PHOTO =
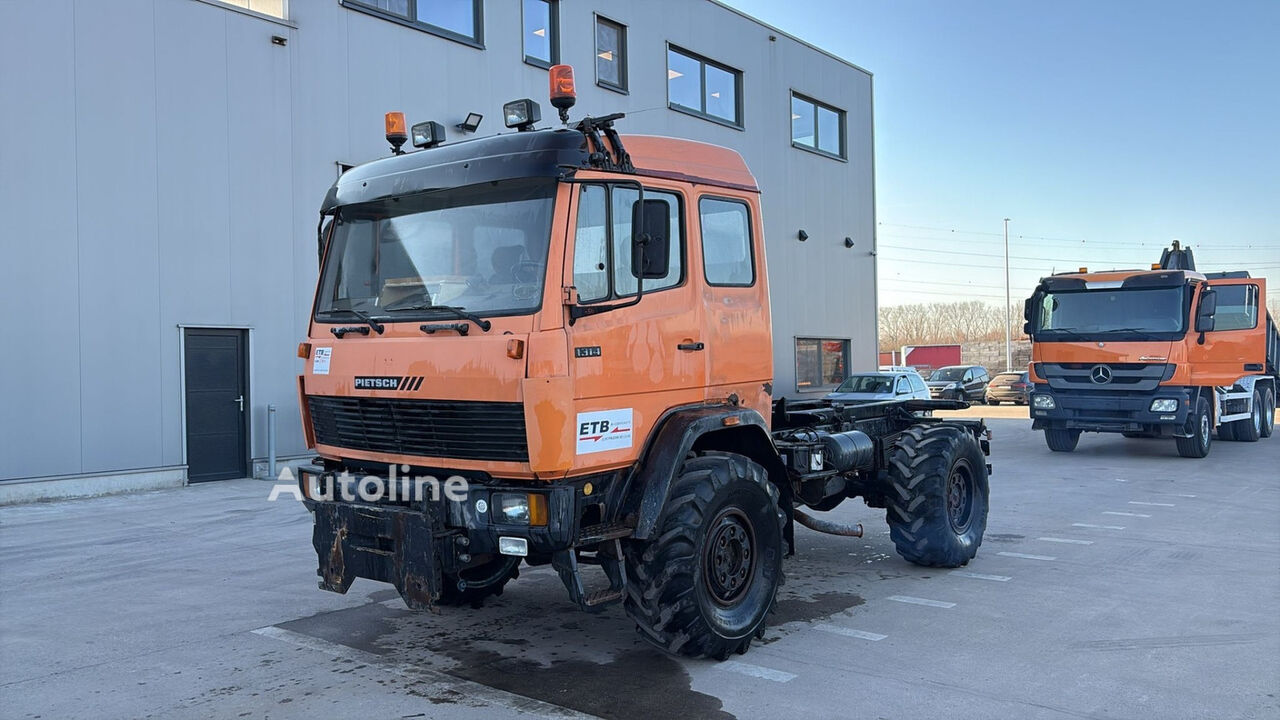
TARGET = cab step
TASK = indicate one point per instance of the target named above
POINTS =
(568, 564)
(592, 534)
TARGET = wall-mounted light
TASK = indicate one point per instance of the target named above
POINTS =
(471, 123)
(802, 235)
(848, 242)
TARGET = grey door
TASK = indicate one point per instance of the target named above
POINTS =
(217, 401)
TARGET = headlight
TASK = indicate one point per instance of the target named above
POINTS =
(1164, 405)
(952, 386)
(1044, 402)
(521, 508)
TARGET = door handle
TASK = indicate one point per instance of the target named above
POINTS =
(240, 401)
(691, 346)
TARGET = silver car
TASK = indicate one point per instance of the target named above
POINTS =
(880, 386)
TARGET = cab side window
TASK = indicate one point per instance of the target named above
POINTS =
(602, 244)
(903, 387)
(917, 383)
(1237, 307)
(726, 242)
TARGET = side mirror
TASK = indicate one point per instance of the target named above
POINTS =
(1204, 313)
(1028, 307)
(650, 241)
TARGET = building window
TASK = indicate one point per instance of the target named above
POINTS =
(602, 244)
(611, 54)
(726, 242)
(541, 32)
(461, 20)
(821, 363)
(817, 127)
(704, 88)
(274, 8)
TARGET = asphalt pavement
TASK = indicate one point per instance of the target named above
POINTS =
(1120, 581)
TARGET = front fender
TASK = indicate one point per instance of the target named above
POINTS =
(671, 443)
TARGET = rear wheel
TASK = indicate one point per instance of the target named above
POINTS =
(1197, 446)
(1268, 412)
(992, 402)
(704, 584)
(1250, 429)
(937, 509)
(1060, 440)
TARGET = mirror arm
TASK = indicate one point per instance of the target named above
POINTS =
(578, 311)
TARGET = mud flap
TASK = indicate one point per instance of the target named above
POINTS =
(385, 544)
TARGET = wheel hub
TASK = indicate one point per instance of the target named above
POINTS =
(960, 498)
(729, 558)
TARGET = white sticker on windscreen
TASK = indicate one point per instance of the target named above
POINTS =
(604, 430)
(320, 362)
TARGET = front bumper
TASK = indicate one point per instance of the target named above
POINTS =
(1112, 411)
(938, 393)
(1008, 394)
(413, 539)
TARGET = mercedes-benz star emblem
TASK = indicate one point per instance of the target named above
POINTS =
(1100, 374)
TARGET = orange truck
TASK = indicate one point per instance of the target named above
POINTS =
(553, 347)
(1159, 353)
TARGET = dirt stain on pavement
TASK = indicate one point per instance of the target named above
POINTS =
(821, 605)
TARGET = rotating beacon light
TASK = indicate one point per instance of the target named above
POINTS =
(396, 133)
(563, 95)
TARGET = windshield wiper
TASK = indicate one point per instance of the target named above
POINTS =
(453, 310)
(340, 331)
(1138, 331)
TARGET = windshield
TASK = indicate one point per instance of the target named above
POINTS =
(947, 373)
(867, 384)
(482, 248)
(1144, 313)
(1010, 377)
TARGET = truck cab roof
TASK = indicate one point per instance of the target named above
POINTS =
(539, 153)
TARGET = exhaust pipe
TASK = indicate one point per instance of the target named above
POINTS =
(826, 526)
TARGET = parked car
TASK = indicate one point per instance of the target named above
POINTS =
(876, 387)
(1012, 387)
(959, 382)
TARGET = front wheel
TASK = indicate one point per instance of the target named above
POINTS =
(704, 584)
(1197, 446)
(937, 509)
(1060, 440)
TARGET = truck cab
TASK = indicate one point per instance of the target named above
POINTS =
(1168, 352)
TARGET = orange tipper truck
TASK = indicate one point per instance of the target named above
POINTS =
(1165, 352)
(571, 329)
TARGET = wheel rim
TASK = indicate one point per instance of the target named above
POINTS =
(729, 558)
(1204, 429)
(1257, 418)
(960, 489)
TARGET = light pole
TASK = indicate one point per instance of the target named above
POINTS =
(1008, 326)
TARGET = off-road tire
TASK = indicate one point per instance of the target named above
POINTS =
(492, 577)
(1197, 446)
(674, 593)
(1268, 412)
(1060, 440)
(937, 502)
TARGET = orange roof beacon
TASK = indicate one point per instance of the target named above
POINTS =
(1165, 352)
(552, 346)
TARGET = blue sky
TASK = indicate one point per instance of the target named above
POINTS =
(1104, 129)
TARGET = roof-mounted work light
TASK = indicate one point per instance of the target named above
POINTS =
(521, 114)
(471, 124)
(563, 94)
(427, 134)
(396, 134)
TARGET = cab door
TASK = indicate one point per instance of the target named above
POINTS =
(632, 363)
(1237, 344)
(734, 298)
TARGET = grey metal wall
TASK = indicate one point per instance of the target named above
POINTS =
(161, 163)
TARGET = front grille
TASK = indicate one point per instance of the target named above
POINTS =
(466, 430)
